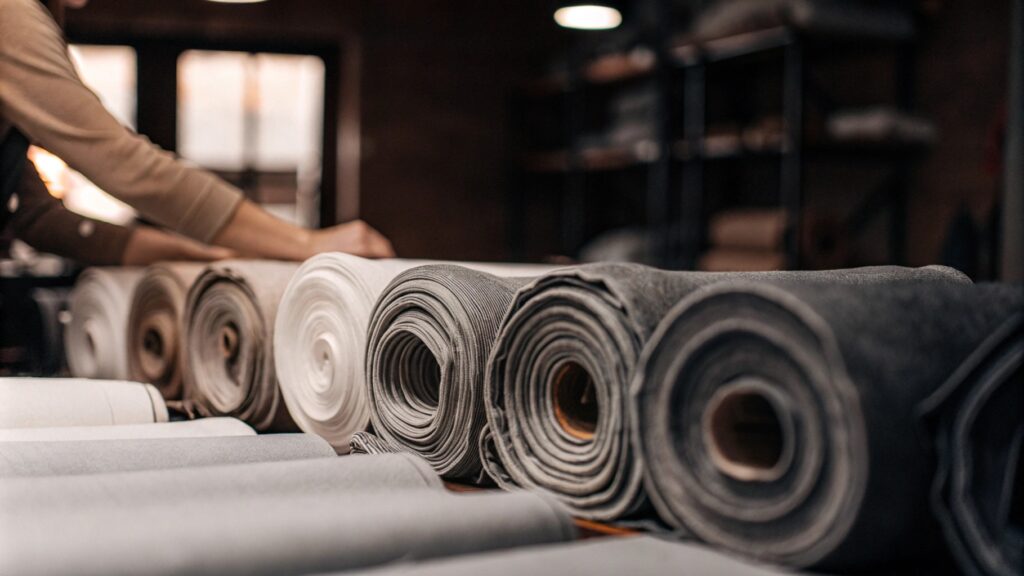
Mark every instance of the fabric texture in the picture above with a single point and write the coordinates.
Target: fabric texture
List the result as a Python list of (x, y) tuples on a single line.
[(228, 338), (284, 535), (95, 338), (978, 432), (60, 402), (776, 419), (202, 428), (557, 386), (369, 443), (154, 326), (27, 459)]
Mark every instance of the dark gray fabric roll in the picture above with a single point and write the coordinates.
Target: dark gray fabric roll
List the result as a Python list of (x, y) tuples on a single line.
[(427, 346), (633, 556), (556, 391), (274, 536), (777, 419), (976, 423), (18, 459)]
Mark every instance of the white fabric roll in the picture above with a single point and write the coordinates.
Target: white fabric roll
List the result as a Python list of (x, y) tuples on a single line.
[(202, 428), (320, 338), (95, 338), (58, 402)]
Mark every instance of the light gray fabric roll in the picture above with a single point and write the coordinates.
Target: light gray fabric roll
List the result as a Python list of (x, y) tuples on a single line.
[(369, 443), (778, 419), (632, 556), (202, 428), (274, 536), (325, 477), (94, 339), (20, 459), (58, 402), (154, 326), (426, 350), (229, 333), (557, 400)]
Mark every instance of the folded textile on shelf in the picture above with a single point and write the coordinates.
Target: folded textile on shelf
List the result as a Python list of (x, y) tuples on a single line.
[(154, 326), (978, 433), (229, 317), (94, 339), (252, 535), (776, 419), (201, 428), (58, 402), (557, 384), (730, 260), (750, 229), (23, 459)]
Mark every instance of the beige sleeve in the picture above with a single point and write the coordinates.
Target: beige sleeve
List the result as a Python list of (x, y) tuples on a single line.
[(42, 95)]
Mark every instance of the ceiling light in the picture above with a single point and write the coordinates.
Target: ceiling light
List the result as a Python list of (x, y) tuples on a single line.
[(594, 16)]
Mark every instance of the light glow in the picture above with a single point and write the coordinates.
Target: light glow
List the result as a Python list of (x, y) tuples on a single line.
[(588, 17)]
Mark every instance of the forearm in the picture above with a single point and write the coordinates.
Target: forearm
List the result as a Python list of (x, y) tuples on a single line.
[(253, 232)]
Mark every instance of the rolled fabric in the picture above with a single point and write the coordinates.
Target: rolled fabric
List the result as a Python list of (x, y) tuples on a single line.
[(95, 338), (51, 305), (557, 387), (777, 419), (154, 326), (25, 459), (636, 556), (978, 433), (320, 338), (254, 535), (323, 477), (202, 428), (229, 332), (426, 350), (368, 443), (57, 402)]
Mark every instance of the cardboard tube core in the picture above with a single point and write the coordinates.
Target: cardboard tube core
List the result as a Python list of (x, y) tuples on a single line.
[(575, 401), (747, 434)]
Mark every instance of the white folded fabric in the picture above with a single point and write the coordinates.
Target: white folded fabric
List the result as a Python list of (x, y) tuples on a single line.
[(59, 402), (95, 339), (202, 428)]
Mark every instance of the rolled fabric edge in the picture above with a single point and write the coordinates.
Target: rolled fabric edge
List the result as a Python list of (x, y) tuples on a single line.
[(201, 428)]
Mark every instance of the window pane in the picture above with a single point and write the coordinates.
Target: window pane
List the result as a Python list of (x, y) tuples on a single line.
[(211, 108)]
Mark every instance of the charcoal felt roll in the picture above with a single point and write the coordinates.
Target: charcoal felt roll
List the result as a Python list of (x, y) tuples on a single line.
[(254, 535), (776, 419), (557, 388), (94, 339), (22, 459), (57, 402), (229, 331), (976, 421), (201, 428)]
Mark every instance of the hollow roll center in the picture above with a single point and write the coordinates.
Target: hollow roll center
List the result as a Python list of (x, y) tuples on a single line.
[(153, 342), (228, 341), (745, 432), (575, 401), (421, 375)]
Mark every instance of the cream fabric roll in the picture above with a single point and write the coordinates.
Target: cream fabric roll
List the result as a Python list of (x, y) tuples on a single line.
[(58, 402), (229, 329), (95, 337), (320, 338), (202, 428), (154, 326)]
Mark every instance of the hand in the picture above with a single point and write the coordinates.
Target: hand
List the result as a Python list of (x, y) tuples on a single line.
[(355, 237), (148, 245)]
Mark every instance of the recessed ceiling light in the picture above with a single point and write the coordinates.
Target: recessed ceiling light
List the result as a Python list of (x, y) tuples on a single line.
[(588, 16)]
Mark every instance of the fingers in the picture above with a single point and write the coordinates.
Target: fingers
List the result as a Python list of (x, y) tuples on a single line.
[(357, 238)]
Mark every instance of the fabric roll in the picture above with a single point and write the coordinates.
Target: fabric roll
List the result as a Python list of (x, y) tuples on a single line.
[(95, 338), (557, 387), (26, 459), (368, 443), (154, 326), (229, 317), (320, 338), (635, 556), (978, 432), (254, 535), (427, 346), (202, 428), (323, 477), (58, 402), (51, 306), (776, 419)]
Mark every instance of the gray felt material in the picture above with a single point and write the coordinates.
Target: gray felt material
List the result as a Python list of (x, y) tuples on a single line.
[(284, 535), (777, 419), (580, 330), (18, 459)]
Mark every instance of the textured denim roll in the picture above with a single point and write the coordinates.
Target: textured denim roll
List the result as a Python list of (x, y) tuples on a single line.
[(58, 402), (634, 556), (283, 535), (95, 338), (154, 326), (229, 332), (976, 423), (777, 419), (201, 428), (26, 459), (557, 389)]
